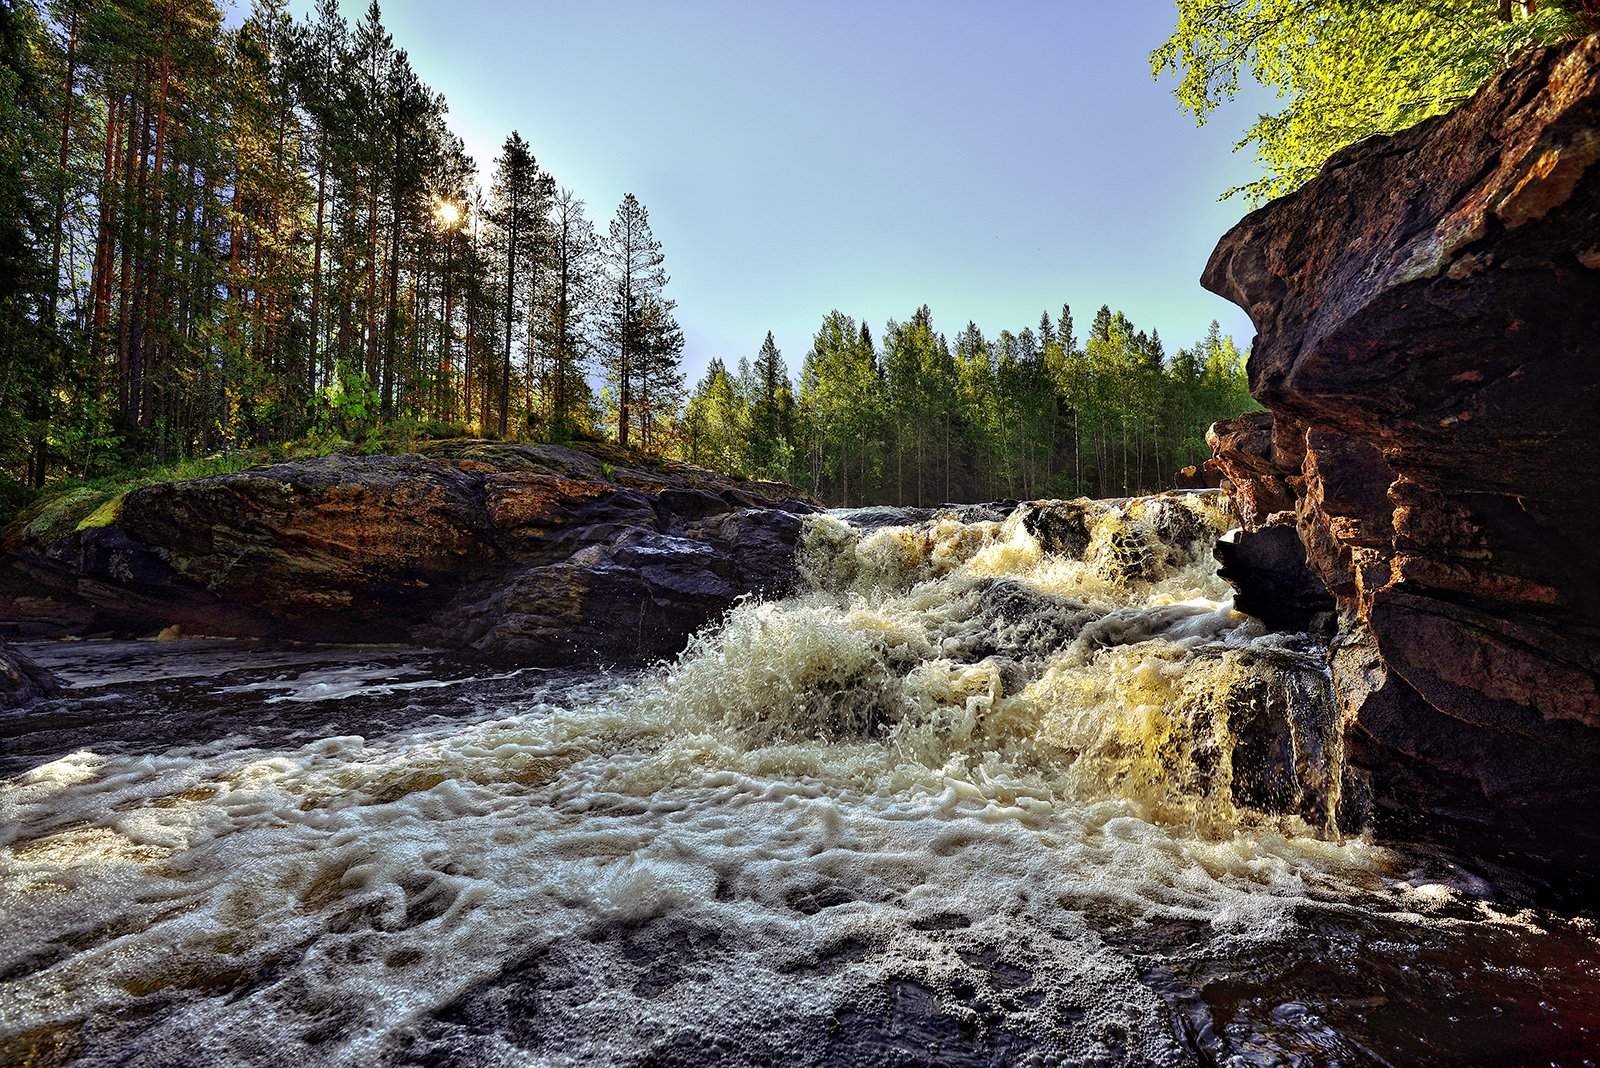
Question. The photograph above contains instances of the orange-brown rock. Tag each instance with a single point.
(1198, 476)
(532, 552)
(1242, 449)
(1429, 347)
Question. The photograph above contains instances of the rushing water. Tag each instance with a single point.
(977, 796)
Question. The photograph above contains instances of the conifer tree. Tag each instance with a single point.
(767, 431)
(515, 179)
(636, 281)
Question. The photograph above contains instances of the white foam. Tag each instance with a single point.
(686, 850)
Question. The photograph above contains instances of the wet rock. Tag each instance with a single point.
(1060, 527)
(1428, 346)
(762, 544)
(1285, 756)
(543, 553)
(1267, 569)
(1178, 526)
(1022, 623)
(21, 680)
(1142, 538)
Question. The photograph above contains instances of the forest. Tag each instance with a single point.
(920, 420)
(219, 237)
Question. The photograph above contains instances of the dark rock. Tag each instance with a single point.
(482, 545)
(1060, 527)
(21, 680)
(1428, 311)
(1285, 726)
(1028, 625)
(763, 543)
(1267, 569)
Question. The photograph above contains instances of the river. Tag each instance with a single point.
(977, 794)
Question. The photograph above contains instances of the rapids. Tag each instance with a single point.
(993, 788)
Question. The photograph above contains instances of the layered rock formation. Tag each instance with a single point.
(545, 553)
(1428, 317)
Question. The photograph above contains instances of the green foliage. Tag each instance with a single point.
(717, 422)
(1026, 414)
(1344, 69)
(218, 234)
(14, 498)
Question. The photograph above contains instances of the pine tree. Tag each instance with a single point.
(636, 280)
(771, 377)
(574, 248)
(514, 183)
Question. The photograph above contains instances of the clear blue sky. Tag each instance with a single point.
(990, 160)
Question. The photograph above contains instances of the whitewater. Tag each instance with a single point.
(993, 786)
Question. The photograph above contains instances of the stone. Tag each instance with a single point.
(1429, 350)
(540, 553)
(1242, 449)
(22, 682)
(1267, 569)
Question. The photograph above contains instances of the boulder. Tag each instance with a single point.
(542, 553)
(1206, 475)
(1267, 569)
(1428, 317)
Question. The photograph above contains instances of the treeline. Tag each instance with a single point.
(221, 237)
(218, 237)
(920, 420)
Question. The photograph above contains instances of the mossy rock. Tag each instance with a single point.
(57, 516)
(104, 515)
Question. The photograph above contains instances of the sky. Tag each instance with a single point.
(990, 160)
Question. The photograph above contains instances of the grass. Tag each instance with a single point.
(82, 504)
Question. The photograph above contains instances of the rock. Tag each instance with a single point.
(1243, 453)
(22, 682)
(1199, 476)
(1284, 721)
(1429, 347)
(543, 553)
(1020, 623)
(1060, 527)
(1267, 569)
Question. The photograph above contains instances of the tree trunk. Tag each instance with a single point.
(511, 303)
(316, 259)
(61, 168)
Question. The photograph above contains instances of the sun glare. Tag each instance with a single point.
(447, 212)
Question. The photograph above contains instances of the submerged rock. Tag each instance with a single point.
(1428, 311)
(544, 553)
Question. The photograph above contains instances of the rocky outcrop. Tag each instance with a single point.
(543, 553)
(1254, 473)
(1428, 317)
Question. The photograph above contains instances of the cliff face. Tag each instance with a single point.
(541, 553)
(1428, 317)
